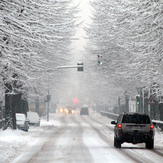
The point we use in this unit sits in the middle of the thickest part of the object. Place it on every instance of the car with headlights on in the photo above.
(70, 110)
(61, 110)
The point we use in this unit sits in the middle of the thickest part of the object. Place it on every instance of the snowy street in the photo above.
(66, 66)
(74, 138)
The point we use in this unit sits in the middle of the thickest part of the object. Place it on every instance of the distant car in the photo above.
(33, 118)
(61, 110)
(22, 122)
(134, 128)
(84, 110)
(69, 110)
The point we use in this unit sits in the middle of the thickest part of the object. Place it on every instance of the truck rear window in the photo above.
(139, 119)
(84, 109)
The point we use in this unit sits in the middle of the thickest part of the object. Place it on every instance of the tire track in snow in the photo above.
(140, 147)
(76, 145)
(49, 133)
(99, 130)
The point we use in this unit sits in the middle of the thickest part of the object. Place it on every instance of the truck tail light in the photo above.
(119, 126)
(151, 131)
(152, 126)
(120, 129)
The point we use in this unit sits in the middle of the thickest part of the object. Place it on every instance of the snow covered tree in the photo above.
(128, 36)
(33, 36)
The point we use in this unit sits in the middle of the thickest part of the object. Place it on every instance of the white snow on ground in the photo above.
(158, 138)
(100, 151)
(13, 142)
(108, 153)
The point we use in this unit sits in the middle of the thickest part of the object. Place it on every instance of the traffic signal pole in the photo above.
(48, 108)
(79, 66)
(48, 98)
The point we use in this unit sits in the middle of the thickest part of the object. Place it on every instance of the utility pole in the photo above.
(48, 98)
(48, 107)
(79, 66)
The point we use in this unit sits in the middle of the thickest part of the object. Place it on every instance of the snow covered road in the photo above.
(73, 139)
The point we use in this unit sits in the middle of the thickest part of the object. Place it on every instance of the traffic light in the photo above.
(75, 100)
(80, 68)
(137, 100)
(99, 60)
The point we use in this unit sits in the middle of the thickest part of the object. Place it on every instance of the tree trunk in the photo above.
(10, 119)
(14, 104)
(24, 106)
(161, 111)
(17, 103)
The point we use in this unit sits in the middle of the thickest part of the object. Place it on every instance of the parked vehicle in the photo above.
(134, 128)
(34, 118)
(22, 122)
(84, 110)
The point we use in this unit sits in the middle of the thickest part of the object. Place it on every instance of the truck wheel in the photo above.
(117, 143)
(150, 144)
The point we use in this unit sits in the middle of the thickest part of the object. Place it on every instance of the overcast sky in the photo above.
(85, 14)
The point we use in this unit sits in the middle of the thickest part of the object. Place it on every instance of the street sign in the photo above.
(151, 100)
(48, 98)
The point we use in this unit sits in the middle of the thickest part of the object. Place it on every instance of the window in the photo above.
(141, 119)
